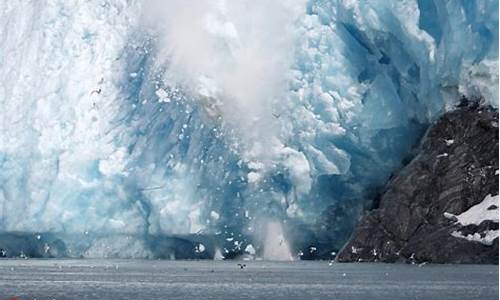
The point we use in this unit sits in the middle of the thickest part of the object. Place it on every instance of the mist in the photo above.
(233, 57)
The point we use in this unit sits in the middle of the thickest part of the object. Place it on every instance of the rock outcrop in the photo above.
(441, 207)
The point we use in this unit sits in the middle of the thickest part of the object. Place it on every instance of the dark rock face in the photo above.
(416, 220)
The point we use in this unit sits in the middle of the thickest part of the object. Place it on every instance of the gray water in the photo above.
(149, 279)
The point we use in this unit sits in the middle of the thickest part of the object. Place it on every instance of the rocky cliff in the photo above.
(443, 206)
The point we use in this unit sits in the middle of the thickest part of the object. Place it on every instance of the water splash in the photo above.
(276, 246)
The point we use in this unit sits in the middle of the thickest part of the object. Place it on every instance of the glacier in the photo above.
(126, 124)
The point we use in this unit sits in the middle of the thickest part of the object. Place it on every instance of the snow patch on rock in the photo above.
(478, 213)
(486, 210)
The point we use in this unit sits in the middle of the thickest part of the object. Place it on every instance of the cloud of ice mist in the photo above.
(232, 55)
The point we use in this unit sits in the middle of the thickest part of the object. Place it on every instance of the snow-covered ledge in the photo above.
(486, 210)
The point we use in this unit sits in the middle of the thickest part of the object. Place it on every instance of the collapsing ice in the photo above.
(127, 133)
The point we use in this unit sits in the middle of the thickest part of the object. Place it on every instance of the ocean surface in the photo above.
(154, 279)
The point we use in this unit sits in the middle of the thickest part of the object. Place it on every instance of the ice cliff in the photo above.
(127, 120)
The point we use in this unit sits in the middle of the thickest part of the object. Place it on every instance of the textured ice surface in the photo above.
(133, 118)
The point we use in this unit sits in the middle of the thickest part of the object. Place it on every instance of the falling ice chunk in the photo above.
(214, 215)
(162, 95)
(200, 248)
(253, 177)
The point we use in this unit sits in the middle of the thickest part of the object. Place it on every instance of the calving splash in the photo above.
(276, 246)
(172, 130)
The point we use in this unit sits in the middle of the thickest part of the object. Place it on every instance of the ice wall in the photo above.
(133, 119)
